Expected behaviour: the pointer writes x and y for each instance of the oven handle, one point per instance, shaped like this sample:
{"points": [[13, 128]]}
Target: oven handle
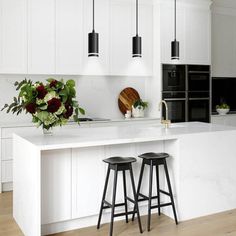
{"points": [[174, 99], [198, 99]]}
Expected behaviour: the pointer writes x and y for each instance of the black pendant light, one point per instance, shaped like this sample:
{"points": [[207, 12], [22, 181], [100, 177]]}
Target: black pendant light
{"points": [[175, 43], [137, 40], [93, 44]]}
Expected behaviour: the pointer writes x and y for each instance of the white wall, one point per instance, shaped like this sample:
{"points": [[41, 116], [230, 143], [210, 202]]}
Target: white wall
{"points": [[97, 94]]}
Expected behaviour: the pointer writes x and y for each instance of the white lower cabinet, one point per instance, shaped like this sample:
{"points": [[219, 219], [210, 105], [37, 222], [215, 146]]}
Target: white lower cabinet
{"points": [[7, 171], [88, 174], [56, 186]]}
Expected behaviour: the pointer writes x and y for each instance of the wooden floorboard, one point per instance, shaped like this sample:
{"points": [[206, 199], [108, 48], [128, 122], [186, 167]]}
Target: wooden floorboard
{"points": [[222, 224]]}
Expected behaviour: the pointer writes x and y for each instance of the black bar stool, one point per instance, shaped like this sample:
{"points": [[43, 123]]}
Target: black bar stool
{"points": [[119, 164], [155, 159]]}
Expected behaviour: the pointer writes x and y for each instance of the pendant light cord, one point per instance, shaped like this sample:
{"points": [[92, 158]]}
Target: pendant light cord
{"points": [[175, 20], [137, 17], [93, 15]]}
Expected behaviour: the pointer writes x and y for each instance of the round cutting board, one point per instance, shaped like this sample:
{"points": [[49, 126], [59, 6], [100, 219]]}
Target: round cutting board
{"points": [[127, 98]]}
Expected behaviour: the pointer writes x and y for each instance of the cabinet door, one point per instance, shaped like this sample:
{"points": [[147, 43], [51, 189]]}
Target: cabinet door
{"points": [[121, 33], [96, 65], [167, 31], [69, 39], [7, 171], [88, 178], [223, 45], [41, 38], [56, 185], [13, 36], [198, 31]]}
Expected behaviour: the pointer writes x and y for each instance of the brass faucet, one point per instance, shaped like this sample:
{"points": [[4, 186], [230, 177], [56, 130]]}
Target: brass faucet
{"points": [[165, 122]]}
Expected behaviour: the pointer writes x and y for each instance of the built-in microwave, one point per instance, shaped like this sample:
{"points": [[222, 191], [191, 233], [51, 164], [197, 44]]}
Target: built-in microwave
{"points": [[173, 78]]}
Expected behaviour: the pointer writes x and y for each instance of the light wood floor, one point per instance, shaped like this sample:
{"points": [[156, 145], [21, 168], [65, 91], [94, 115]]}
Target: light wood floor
{"points": [[214, 225]]}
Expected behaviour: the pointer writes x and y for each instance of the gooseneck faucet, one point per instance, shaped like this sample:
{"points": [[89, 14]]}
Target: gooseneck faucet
{"points": [[166, 121]]}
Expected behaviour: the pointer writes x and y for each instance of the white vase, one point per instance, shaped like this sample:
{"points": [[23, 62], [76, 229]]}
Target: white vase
{"points": [[137, 112], [222, 112], [48, 131]]}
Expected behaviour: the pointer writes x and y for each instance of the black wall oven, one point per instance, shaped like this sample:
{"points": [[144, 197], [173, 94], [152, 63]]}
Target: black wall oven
{"points": [[186, 89], [176, 102]]}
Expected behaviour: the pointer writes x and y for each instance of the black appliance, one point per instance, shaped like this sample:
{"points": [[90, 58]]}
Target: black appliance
{"points": [[224, 91], [174, 78], [176, 102], [193, 102]]}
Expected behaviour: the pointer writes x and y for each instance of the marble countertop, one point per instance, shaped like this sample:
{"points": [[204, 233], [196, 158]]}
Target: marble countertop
{"points": [[98, 136]]}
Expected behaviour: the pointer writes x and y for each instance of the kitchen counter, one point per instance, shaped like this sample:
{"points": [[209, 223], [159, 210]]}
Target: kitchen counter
{"points": [[51, 194], [97, 136]]}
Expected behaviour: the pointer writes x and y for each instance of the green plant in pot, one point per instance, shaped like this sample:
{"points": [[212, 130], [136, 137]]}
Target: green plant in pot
{"points": [[138, 108], [223, 109]]}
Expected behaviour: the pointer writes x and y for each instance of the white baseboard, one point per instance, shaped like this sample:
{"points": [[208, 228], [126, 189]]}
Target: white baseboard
{"points": [[6, 187]]}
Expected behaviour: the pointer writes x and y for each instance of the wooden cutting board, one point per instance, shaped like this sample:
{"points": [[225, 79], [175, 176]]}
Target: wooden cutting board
{"points": [[127, 98]]}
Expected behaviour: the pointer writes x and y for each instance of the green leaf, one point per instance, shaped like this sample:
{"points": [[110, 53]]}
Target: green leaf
{"points": [[70, 83], [82, 111]]}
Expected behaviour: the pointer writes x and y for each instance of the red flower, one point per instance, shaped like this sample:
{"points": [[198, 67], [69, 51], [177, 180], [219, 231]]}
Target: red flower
{"points": [[53, 83], [31, 108], [69, 111], [53, 105], [41, 91]]}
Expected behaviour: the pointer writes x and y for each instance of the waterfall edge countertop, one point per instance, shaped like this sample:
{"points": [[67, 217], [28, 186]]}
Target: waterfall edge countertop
{"points": [[97, 136]]}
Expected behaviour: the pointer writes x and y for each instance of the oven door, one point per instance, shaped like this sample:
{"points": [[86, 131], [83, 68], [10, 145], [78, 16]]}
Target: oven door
{"points": [[174, 78], [176, 109], [199, 81], [199, 110]]}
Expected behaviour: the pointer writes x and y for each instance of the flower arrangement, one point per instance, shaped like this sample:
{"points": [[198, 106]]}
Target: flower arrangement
{"points": [[50, 104]]}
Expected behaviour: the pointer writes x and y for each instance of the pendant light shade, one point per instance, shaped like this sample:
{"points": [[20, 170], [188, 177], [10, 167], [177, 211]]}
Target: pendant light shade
{"points": [[93, 41], [175, 43], [137, 40]]}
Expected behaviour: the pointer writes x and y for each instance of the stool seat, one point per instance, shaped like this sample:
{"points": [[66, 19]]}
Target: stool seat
{"points": [[153, 155], [119, 160]]}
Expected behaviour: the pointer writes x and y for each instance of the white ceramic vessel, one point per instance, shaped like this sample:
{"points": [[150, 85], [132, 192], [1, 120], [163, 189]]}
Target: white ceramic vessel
{"points": [[222, 111]]}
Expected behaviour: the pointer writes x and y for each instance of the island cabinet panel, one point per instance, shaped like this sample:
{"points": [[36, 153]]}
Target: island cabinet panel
{"points": [[41, 37], [69, 36], [13, 36], [56, 186], [88, 177]]}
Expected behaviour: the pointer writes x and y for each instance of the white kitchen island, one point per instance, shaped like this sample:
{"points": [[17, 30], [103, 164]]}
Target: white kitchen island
{"points": [[58, 180]]}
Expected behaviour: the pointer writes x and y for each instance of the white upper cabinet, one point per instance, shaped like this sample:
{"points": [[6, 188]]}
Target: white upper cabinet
{"points": [[13, 36], [41, 37], [193, 31], [96, 65], [122, 29], [69, 36], [198, 35], [167, 31], [121, 33], [223, 43]]}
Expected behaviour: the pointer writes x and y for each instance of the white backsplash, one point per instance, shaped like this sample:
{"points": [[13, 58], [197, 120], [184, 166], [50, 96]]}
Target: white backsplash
{"points": [[98, 95]]}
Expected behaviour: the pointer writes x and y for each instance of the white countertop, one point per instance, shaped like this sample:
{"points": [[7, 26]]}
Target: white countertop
{"points": [[98, 136]]}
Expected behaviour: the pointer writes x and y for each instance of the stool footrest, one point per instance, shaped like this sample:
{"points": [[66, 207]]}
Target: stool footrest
{"points": [[123, 213], [145, 198], [110, 206], [161, 205], [131, 200], [164, 192]]}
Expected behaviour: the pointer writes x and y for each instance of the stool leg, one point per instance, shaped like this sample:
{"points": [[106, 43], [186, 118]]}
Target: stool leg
{"points": [[125, 197], [139, 185], [135, 198], [158, 189], [103, 197], [170, 191], [150, 195], [113, 201]]}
